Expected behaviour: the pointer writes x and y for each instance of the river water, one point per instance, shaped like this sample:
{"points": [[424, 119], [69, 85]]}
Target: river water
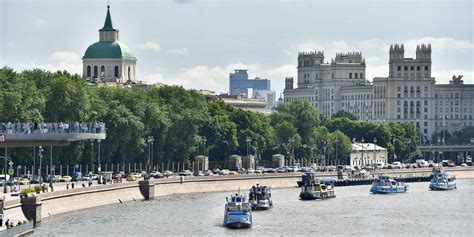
{"points": [[353, 212]]}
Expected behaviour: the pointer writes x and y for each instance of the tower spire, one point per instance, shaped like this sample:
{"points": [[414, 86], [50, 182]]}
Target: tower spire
{"points": [[108, 26]]}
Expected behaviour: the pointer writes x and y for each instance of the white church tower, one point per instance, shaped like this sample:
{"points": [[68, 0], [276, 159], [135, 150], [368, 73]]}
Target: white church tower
{"points": [[109, 60]]}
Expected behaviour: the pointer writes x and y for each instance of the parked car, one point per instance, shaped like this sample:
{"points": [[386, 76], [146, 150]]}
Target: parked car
{"points": [[66, 178], [224, 172], [250, 171], [185, 173], [209, 173], [131, 178], [53, 178], [23, 181], [281, 170], [117, 177], [168, 173], [396, 165], [157, 175], [35, 179], [76, 176], [199, 173]]}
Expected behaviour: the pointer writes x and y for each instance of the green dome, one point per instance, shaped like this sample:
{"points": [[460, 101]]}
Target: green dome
{"points": [[108, 49]]}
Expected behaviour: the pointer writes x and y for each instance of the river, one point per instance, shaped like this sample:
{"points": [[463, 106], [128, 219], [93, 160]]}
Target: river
{"points": [[353, 212]]}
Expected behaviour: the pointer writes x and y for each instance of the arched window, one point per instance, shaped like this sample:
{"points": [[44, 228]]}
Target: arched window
{"points": [[88, 71], [102, 71], [96, 71], [116, 71]]}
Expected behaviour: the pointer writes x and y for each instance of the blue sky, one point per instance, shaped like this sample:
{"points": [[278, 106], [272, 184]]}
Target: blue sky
{"points": [[197, 43]]}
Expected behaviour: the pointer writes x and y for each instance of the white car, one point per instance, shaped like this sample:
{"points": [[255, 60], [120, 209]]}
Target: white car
{"points": [[224, 172], [185, 173], [168, 173], [250, 171]]}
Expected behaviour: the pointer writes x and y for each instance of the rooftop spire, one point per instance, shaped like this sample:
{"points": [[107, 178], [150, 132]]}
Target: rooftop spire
{"points": [[108, 21]]}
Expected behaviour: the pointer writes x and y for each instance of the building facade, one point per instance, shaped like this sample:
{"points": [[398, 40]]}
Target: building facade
{"points": [[240, 84], [408, 94], [367, 154], [109, 60]]}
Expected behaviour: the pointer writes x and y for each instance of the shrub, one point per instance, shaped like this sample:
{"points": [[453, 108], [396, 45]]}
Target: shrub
{"points": [[27, 191], [38, 189]]}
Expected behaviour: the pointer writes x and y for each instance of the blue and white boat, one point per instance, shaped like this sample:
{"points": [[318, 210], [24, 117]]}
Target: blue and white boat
{"points": [[238, 212], [386, 185], [442, 180]]}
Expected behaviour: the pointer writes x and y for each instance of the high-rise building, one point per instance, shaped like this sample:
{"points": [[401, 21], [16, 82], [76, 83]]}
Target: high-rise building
{"points": [[240, 84], [408, 94]]}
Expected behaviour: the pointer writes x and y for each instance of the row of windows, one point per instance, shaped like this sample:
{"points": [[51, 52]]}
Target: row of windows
{"points": [[356, 97], [102, 71], [412, 68], [356, 75]]}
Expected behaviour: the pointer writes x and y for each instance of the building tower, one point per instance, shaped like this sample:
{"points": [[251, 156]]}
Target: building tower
{"points": [[109, 60]]}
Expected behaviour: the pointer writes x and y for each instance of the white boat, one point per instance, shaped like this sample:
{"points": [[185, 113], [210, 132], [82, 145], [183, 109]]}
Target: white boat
{"points": [[238, 212], [442, 180], [260, 197], [385, 185]]}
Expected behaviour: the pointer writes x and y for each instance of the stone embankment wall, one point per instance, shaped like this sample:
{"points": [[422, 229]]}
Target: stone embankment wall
{"points": [[221, 184]]}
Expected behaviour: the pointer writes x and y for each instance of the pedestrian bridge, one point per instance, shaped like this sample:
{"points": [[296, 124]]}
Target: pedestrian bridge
{"points": [[49, 134]]}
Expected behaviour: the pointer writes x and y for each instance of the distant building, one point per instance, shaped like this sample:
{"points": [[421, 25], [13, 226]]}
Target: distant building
{"points": [[408, 95], [240, 84], [271, 100], [109, 60], [255, 105], [368, 153]]}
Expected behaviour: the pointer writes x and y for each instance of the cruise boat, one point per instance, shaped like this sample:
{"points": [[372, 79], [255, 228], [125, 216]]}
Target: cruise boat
{"points": [[385, 185], [260, 197], [238, 212], [442, 180], [317, 189]]}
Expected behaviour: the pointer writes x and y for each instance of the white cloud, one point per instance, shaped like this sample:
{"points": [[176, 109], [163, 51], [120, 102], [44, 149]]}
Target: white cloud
{"points": [[64, 56], [443, 76], [440, 44], [40, 23], [216, 77], [153, 78], [59, 61], [179, 52], [150, 46], [70, 67]]}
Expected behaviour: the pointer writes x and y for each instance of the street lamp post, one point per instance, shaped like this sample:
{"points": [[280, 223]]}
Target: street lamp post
{"points": [[248, 140], [291, 140], [337, 142], [394, 150], [92, 155], [51, 167], [98, 161], [5, 171], [40, 154], [375, 150], [409, 150], [363, 159], [150, 139], [204, 140], [34, 161]]}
